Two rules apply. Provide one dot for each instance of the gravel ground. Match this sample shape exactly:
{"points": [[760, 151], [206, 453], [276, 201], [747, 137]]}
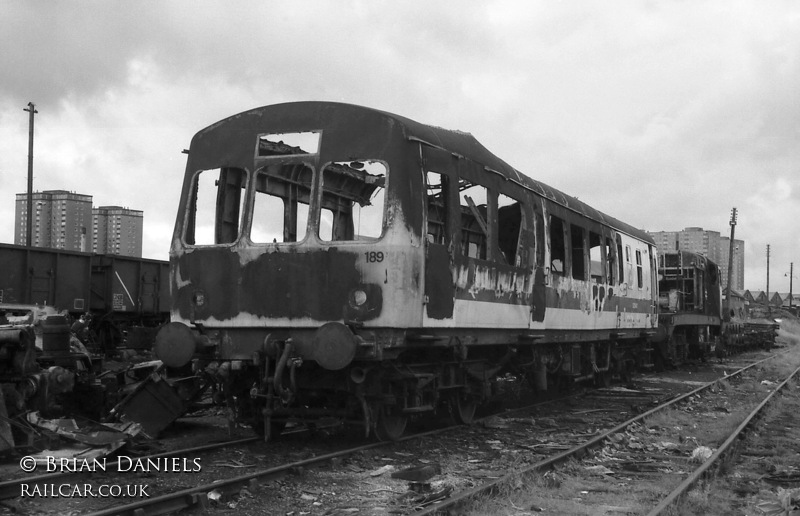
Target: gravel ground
{"points": [[366, 484]]}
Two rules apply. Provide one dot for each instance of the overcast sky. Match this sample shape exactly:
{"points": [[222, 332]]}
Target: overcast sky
{"points": [[664, 114]]}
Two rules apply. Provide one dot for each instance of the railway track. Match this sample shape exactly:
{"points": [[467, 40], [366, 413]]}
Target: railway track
{"points": [[199, 495], [714, 462], [12, 488], [532, 436], [648, 465]]}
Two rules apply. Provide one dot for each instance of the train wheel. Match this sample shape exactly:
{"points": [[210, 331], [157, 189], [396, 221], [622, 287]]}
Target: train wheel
{"points": [[390, 427], [463, 408]]}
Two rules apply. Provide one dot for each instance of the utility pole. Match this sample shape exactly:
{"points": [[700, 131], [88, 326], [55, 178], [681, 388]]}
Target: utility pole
{"points": [[29, 234], [727, 315], [791, 275], [769, 306]]}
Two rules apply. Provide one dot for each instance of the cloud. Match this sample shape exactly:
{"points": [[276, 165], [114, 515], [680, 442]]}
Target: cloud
{"points": [[664, 115]]}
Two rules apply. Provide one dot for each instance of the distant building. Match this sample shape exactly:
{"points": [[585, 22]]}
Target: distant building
{"points": [[117, 230], [61, 220], [66, 220], [788, 300], [711, 245], [783, 299]]}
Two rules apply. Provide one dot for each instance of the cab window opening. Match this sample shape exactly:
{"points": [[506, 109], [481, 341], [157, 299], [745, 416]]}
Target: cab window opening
{"points": [[215, 206], [281, 203], [353, 200], [287, 144]]}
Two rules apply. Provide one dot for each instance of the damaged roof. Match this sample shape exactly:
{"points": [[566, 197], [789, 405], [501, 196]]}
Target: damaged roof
{"points": [[461, 144]]}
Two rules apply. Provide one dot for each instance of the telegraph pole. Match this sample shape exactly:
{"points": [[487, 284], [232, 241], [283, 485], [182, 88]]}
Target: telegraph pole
{"points": [[769, 307], [29, 234], [727, 315]]}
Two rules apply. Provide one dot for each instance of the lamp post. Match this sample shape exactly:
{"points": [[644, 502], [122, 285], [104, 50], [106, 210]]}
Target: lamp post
{"points": [[791, 276]]}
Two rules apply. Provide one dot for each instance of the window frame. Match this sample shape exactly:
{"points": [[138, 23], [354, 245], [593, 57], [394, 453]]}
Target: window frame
{"points": [[190, 213], [320, 204], [639, 270], [254, 193]]}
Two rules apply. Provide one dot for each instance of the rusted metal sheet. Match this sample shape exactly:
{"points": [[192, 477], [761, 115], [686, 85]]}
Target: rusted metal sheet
{"points": [[153, 403], [287, 285]]}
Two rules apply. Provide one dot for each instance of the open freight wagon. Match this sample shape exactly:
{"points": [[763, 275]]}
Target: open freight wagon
{"points": [[120, 292]]}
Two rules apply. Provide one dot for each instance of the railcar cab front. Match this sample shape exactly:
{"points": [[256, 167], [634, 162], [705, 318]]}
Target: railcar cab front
{"points": [[290, 237]]}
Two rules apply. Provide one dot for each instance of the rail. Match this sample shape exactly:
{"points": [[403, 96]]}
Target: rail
{"points": [[451, 504]]}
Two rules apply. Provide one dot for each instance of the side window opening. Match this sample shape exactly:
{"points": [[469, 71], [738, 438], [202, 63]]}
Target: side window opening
{"points": [[578, 252], [281, 205], [353, 200], [510, 225], [639, 271], [436, 204], [474, 212], [620, 262], [558, 253], [215, 207], [653, 273], [628, 264], [596, 257]]}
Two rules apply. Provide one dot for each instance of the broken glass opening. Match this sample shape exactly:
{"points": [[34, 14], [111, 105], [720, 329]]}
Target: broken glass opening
{"points": [[578, 252], [596, 256], [287, 144], [558, 253], [281, 205], [215, 206], [352, 200], [510, 222], [474, 229], [436, 195]]}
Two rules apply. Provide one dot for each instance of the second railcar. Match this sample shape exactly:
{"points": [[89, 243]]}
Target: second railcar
{"points": [[690, 315], [335, 260]]}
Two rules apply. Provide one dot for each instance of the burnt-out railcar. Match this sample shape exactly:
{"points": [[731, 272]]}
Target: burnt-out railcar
{"points": [[335, 260], [119, 292], [690, 307]]}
